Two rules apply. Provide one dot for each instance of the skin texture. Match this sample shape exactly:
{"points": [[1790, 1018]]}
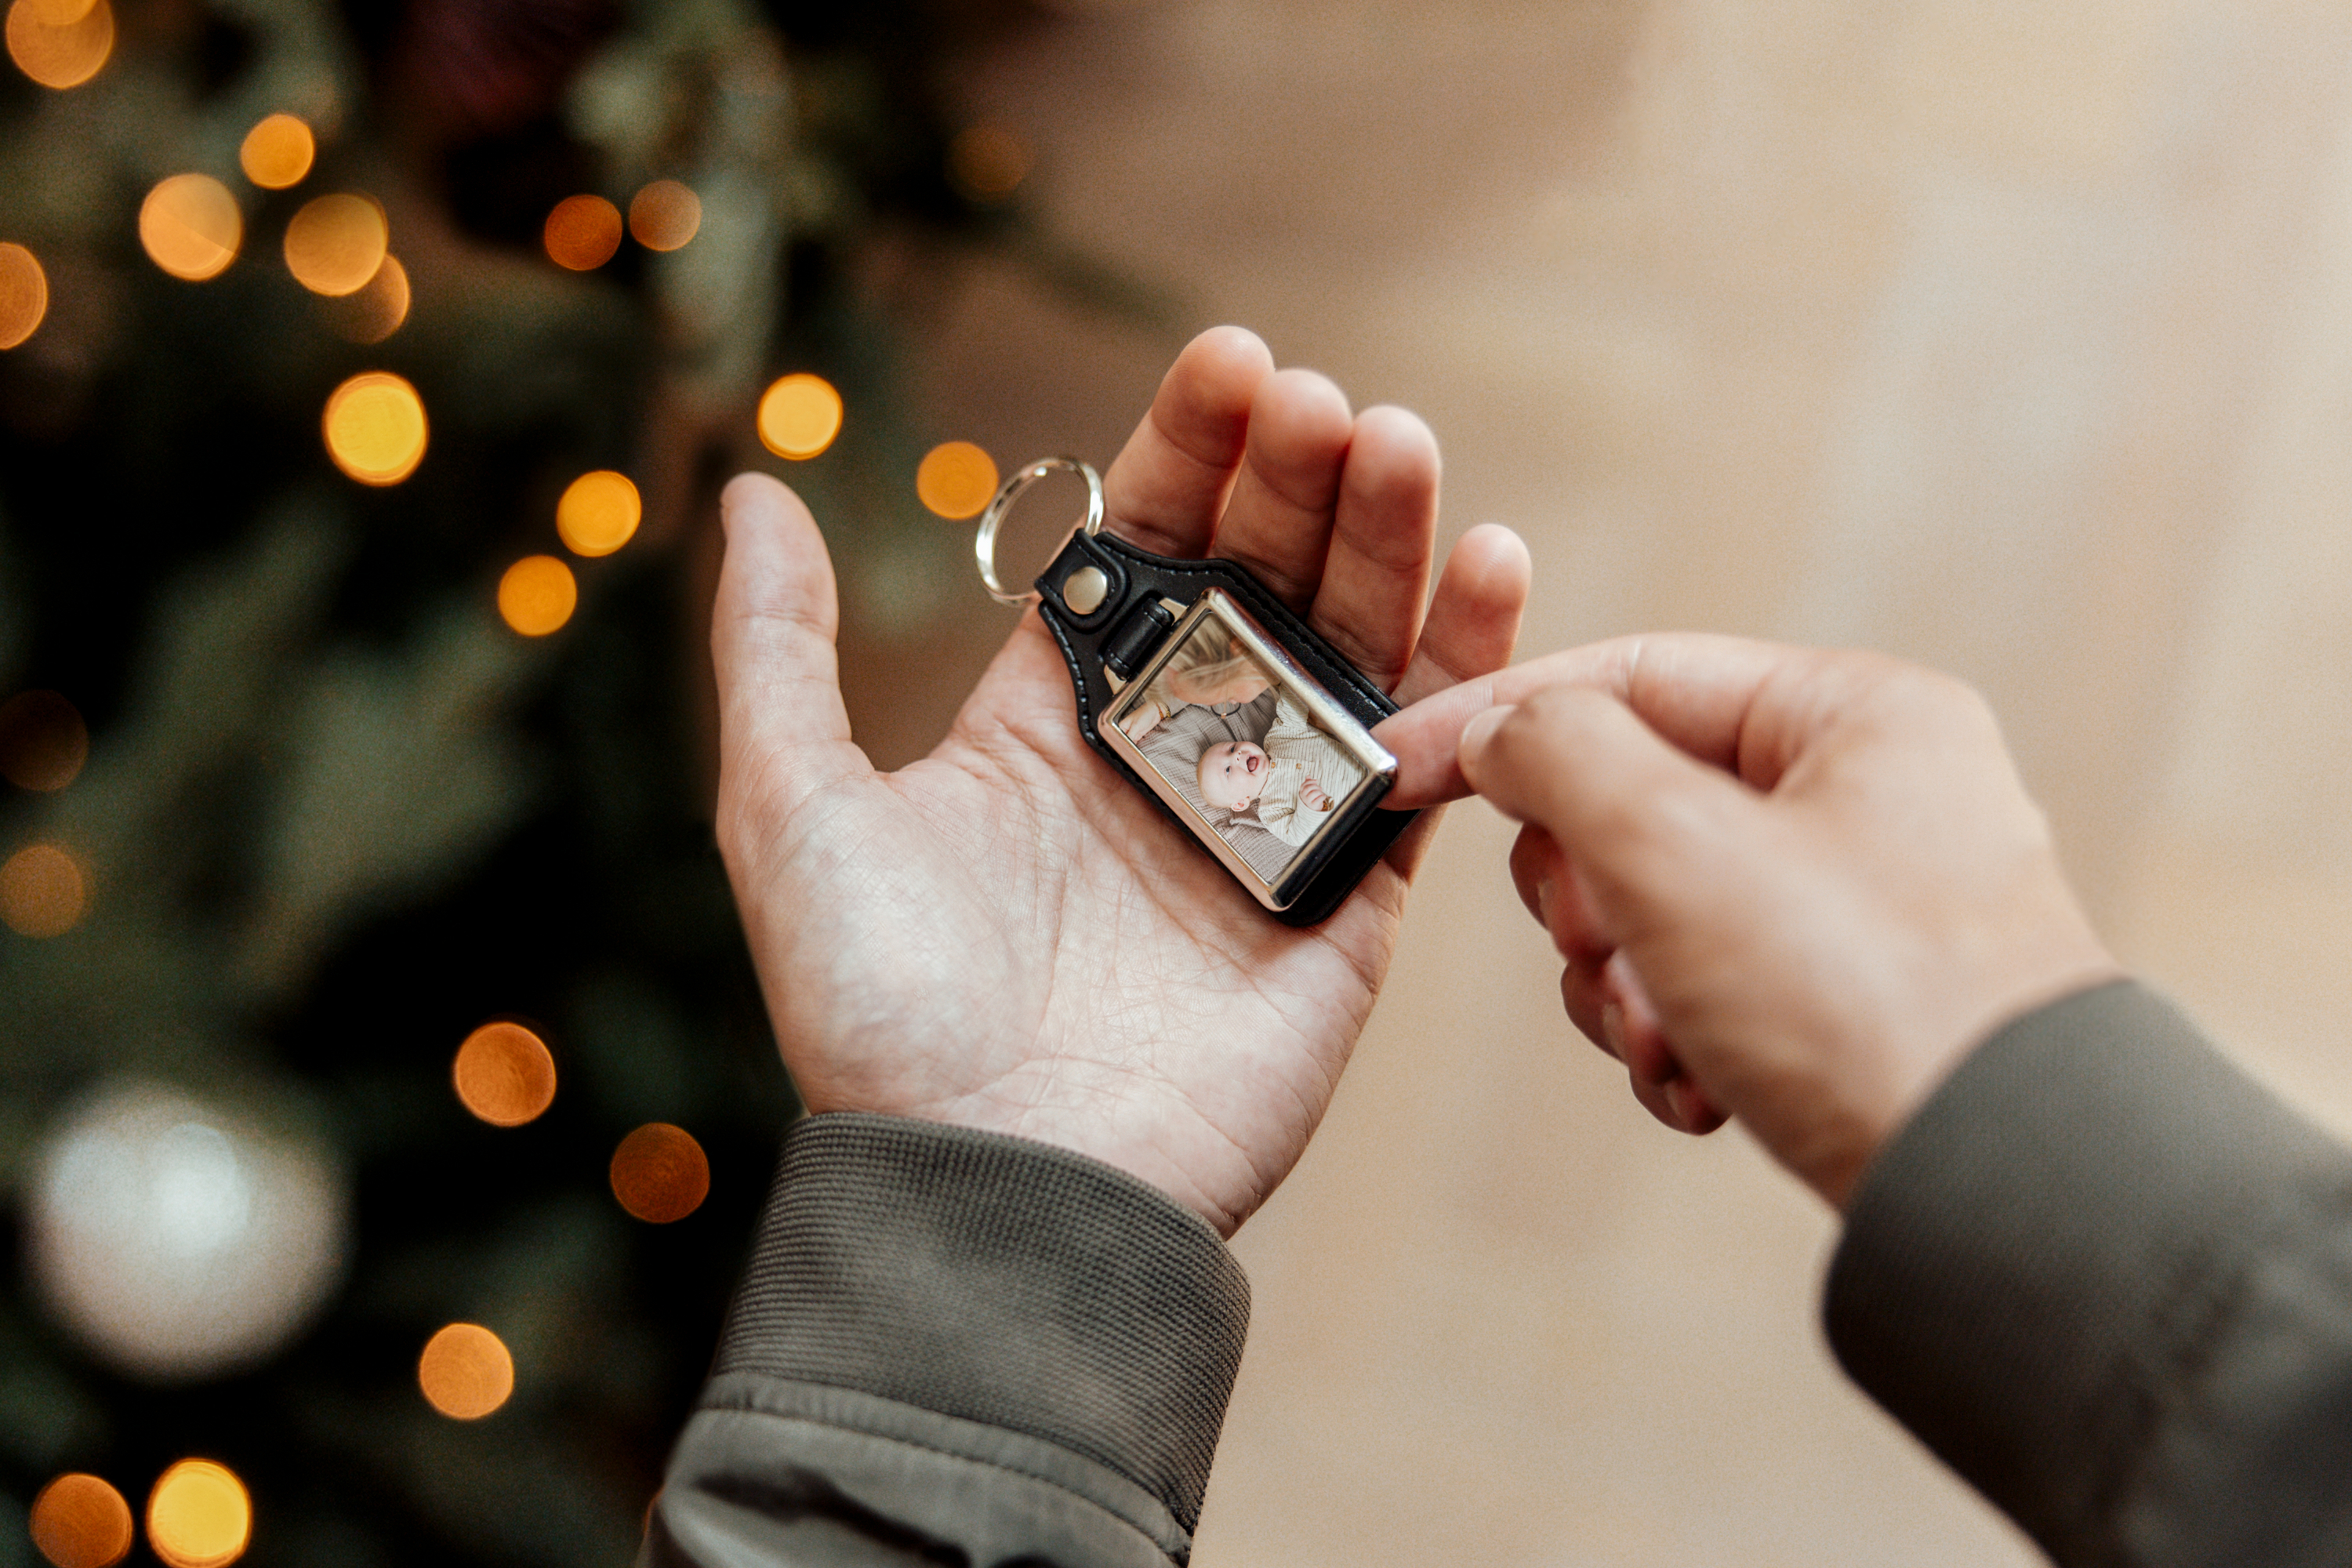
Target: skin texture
{"points": [[1793, 886], [1004, 934]]}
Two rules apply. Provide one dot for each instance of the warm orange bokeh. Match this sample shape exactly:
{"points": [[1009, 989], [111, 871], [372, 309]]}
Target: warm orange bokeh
{"points": [[538, 594], [956, 479], [190, 227], [43, 741], [799, 416], [334, 244], [375, 429], [42, 892], [24, 294], [199, 1516], [374, 312], [504, 1074], [466, 1372], [665, 215], [583, 232], [660, 1173], [60, 44], [598, 513], [80, 1522], [987, 162], [278, 151]]}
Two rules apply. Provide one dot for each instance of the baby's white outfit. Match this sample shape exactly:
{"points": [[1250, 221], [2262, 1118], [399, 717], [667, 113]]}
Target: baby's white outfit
{"points": [[1296, 751]]}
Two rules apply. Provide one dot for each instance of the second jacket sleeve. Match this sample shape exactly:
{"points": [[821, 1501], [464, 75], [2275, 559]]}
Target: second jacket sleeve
{"points": [[2108, 1279]]}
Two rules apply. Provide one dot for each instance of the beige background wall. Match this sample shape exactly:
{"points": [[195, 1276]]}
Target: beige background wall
{"points": [[2012, 337]]}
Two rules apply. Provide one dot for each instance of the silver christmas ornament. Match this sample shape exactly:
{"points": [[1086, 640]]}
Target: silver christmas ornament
{"points": [[177, 1241]]}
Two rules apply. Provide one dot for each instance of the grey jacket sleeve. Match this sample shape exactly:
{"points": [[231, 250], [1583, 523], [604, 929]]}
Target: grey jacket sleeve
{"points": [[953, 1347], [2108, 1279]]}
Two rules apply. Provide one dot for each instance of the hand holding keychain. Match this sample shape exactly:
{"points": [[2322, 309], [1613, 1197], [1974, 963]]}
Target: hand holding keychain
{"points": [[1249, 732]]}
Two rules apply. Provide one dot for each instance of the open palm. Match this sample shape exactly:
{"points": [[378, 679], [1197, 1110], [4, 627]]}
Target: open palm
{"points": [[1006, 934]]}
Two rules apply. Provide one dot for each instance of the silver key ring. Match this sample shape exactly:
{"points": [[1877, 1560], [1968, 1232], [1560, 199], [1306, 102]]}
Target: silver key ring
{"points": [[984, 544]]}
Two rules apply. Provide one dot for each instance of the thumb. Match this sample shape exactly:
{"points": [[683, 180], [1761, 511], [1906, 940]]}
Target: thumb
{"points": [[783, 729], [1645, 825]]}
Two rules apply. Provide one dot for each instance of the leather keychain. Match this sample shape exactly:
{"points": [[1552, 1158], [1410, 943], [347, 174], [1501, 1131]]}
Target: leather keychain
{"points": [[1222, 706]]}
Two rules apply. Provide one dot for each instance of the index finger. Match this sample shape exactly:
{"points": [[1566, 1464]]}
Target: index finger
{"points": [[1699, 691], [1172, 478]]}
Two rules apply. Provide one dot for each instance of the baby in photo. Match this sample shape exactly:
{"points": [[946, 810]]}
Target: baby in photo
{"points": [[1290, 786]]}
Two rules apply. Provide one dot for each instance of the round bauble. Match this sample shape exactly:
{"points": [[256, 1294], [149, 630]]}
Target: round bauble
{"points": [[178, 1240]]}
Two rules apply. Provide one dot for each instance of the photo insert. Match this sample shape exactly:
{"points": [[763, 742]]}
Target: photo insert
{"points": [[1237, 740]]}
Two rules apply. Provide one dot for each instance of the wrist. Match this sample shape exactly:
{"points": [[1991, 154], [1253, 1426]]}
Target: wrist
{"points": [[1173, 1151]]}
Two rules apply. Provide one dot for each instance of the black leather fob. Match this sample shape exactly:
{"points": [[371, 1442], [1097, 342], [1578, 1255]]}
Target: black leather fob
{"points": [[1131, 621]]}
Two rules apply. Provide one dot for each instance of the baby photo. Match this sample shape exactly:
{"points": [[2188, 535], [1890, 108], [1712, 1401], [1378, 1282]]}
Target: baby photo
{"points": [[1241, 748]]}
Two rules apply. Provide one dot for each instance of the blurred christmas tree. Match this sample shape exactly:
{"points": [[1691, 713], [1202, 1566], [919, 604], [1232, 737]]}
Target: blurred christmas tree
{"points": [[295, 803]]}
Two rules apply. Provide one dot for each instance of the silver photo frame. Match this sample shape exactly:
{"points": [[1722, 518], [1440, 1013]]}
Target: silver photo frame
{"points": [[1164, 755]]}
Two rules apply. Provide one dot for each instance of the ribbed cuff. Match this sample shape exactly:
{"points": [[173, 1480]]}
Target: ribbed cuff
{"points": [[2032, 1264], [997, 1282]]}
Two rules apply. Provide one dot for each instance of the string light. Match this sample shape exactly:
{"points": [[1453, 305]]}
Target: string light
{"points": [[538, 594], [43, 741], [583, 232], [799, 416], [956, 479], [42, 892], [599, 512], [199, 1516], [987, 162], [466, 1372], [190, 225], [660, 1173], [664, 214], [334, 244], [24, 294], [278, 151], [504, 1074], [80, 1522], [376, 311], [60, 53], [374, 426]]}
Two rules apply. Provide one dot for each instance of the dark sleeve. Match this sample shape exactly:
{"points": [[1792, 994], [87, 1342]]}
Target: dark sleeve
{"points": [[953, 1347], [2108, 1279]]}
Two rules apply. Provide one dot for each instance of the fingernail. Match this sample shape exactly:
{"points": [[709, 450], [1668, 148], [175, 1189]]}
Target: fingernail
{"points": [[1682, 1102], [1612, 1028], [1546, 888], [1481, 730]]}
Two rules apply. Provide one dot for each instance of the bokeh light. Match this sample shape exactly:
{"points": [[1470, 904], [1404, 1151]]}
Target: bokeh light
{"points": [[956, 479], [374, 313], [198, 1516], [24, 294], [660, 1173], [374, 426], [664, 214], [799, 416], [538, 594], [466, 1372], [80, 1522], [334, 244], [42, 892], [583, 232], [60, 53], [504, 1074], [598, 512], [190, 225], [43, 741], [987, 162], [278, 151]]}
